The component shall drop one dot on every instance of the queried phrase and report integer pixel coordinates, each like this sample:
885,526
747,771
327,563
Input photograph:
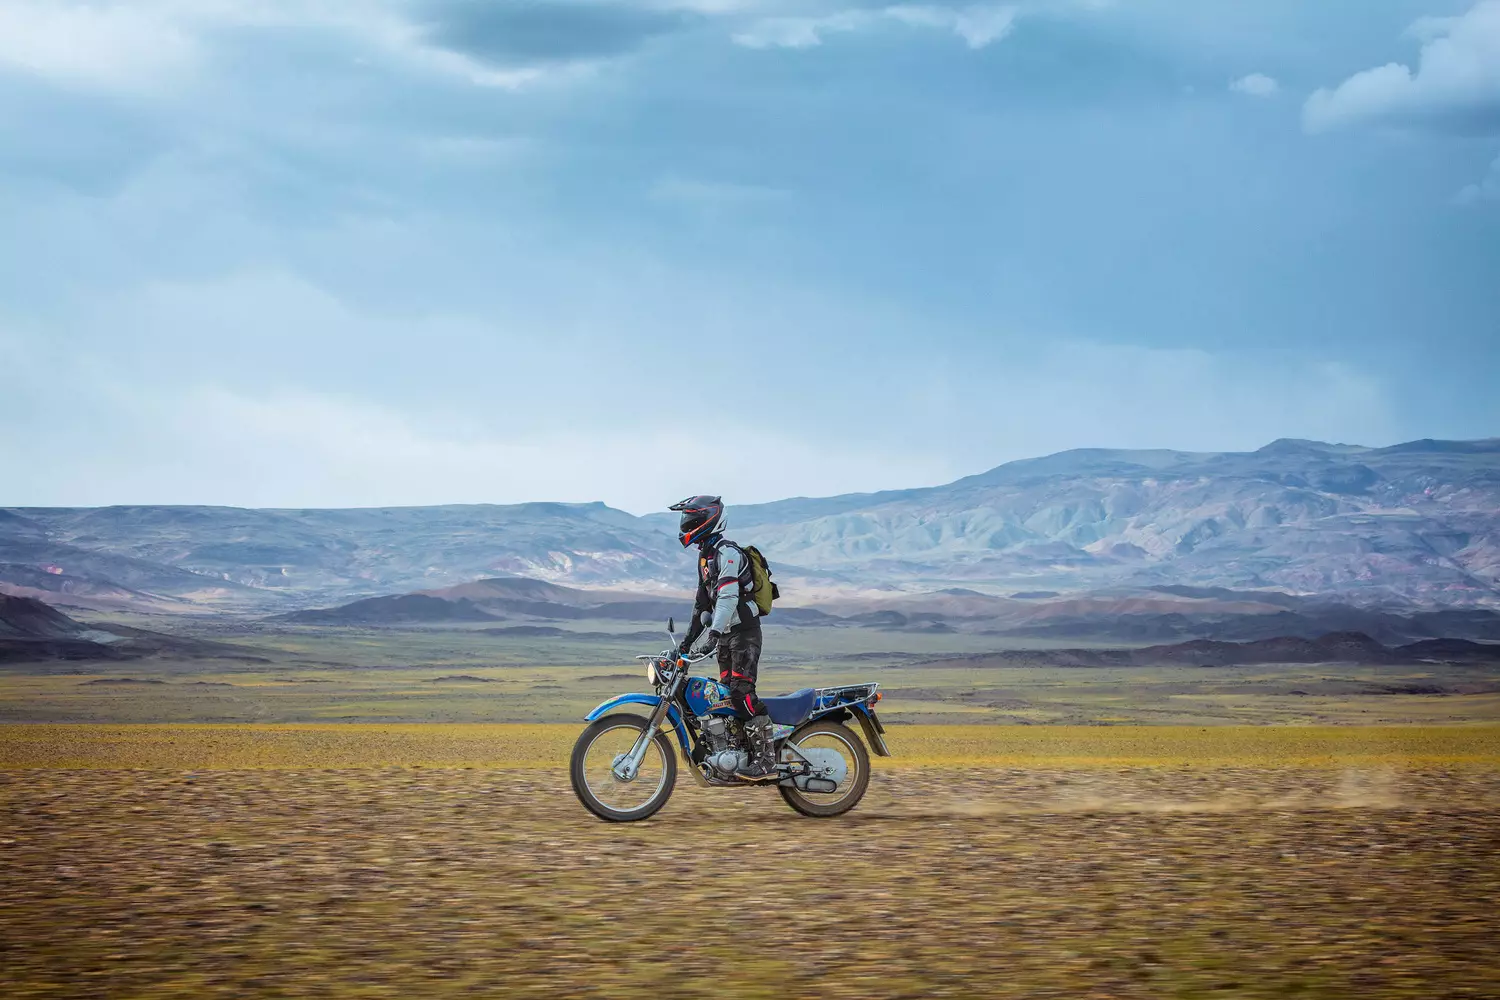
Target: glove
707,641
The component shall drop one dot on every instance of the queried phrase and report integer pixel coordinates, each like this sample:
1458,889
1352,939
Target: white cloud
1486,188
713,193
294,447
125,422
474,150
799,32
1456,84
151,45
112,46
981,25
978,25
1125,395
1256,85
353,452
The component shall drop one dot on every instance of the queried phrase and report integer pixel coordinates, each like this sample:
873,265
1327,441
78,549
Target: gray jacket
720,598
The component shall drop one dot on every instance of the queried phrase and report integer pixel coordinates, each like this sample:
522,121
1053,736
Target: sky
379,252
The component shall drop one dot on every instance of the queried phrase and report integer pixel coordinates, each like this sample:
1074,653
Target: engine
724,742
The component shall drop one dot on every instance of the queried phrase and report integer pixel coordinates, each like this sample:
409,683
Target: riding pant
739,663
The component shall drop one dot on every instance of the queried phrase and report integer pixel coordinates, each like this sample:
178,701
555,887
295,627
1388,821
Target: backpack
763,589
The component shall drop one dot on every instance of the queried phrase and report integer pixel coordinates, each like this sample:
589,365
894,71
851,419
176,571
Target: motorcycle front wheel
597,785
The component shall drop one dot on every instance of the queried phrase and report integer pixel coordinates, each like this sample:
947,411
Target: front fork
628,765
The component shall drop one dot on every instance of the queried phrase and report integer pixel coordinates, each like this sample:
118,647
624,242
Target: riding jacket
724,578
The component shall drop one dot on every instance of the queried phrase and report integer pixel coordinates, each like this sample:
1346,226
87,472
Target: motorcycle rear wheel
593,780
852,748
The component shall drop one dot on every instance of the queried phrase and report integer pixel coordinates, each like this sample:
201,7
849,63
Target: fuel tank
706,696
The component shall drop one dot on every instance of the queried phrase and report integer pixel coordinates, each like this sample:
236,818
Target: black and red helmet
702,517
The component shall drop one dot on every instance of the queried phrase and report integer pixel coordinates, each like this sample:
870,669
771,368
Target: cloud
1076,390
1255,85
318,210
291,446
110,46
1486,189
714,193
473,150
221,393
153,45
978,25
800,32
1455,87
542,32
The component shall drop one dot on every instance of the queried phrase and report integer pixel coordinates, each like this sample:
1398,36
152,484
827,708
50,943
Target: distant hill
32,632
24,618
507,598
1414,525
494,600
402,609
1336,647
1136,618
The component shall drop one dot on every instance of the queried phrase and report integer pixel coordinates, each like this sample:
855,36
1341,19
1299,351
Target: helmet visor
693,524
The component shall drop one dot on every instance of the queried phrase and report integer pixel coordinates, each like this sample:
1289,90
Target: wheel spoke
605,786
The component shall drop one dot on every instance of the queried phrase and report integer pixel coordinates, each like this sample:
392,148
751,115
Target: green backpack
762,589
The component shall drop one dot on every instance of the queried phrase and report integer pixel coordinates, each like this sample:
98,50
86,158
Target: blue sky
357,252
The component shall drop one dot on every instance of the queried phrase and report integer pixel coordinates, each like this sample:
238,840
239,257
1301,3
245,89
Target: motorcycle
623,768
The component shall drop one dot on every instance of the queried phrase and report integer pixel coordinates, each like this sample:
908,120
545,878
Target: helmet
702,517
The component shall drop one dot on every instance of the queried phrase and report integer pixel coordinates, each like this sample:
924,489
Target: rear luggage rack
844,696
860,699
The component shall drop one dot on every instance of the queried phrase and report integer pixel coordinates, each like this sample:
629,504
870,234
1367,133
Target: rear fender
873,729
872,726
653,700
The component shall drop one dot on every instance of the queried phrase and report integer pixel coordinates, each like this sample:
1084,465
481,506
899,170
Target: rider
725,617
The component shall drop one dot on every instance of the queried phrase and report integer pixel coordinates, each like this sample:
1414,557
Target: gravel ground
981,882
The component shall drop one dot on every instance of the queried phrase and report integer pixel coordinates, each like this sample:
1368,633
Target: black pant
739,663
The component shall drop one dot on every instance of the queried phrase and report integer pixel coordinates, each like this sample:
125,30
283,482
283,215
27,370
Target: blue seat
791,709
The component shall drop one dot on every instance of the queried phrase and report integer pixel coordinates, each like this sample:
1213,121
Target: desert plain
386,813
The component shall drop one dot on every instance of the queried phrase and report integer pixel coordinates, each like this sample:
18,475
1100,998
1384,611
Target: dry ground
410,861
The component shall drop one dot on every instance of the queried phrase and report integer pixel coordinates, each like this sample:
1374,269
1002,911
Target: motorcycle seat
791,709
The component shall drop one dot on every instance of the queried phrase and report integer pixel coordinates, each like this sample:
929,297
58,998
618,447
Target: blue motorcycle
623,766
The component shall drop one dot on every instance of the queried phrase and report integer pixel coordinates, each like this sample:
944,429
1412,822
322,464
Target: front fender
653,700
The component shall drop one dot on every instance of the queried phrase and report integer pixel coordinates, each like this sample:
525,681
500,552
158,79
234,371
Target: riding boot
761,744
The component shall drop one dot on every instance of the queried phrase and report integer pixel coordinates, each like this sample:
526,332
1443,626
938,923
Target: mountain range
1161,614
1332,647
1412,525
32,631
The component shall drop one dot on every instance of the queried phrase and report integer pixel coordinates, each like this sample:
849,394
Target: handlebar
673,656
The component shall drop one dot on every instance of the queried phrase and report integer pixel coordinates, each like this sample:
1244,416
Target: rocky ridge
1416,523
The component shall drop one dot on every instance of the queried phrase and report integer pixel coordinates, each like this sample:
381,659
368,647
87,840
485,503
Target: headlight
651,672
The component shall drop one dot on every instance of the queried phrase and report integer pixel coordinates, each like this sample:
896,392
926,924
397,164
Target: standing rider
725,616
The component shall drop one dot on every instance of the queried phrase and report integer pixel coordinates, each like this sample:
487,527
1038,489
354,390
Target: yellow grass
480,745
452,860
